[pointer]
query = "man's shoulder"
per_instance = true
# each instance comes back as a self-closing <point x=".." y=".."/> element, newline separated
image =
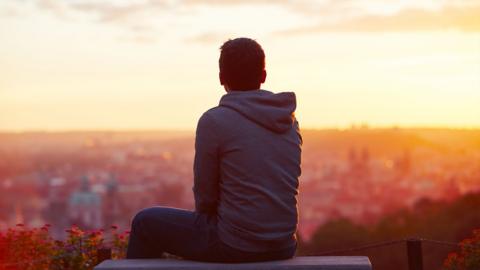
<point x="215" y="114"/>
<point x="215" y="110"/>
<point x="217" y="117"/>
<point x="209" y="116"/>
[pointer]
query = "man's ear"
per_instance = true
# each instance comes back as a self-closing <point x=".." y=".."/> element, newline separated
<point x="264" y="76"/>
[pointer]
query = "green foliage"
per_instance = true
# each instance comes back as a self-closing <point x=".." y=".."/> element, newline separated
<point x="333" y="234"/>
<point x="35" y="249"/>
<point x="468" y="258"/>
<point x="437" y="220"/>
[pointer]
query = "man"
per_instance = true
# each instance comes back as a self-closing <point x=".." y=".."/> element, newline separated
<point x="246" y="169"/>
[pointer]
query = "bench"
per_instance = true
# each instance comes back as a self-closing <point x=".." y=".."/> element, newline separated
<point x="297" y="263"/>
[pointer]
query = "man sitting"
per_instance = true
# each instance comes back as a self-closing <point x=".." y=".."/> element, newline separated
<point x="246" y="169"/>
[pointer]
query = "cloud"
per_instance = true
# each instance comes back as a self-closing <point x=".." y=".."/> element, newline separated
<point x="9" y="12"/>
<point x="56" y="7"/>
<point x="109" y="12"/>
<point x="105" y="11"/>
<point x="407" y="20"/>
<point x="234" y="2"/>
<point x="140" y="18"/>
<point x="132" y="16"/>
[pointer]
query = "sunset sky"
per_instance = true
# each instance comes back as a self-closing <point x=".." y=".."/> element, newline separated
<point x="78" y="64"/>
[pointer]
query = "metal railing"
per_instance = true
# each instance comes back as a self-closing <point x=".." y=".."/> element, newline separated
<point x="413" y="249"/>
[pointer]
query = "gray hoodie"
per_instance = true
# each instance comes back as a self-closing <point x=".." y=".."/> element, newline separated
<point x="246" y="169"/>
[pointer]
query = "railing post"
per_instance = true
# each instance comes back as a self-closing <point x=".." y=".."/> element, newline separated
<point x="103" y="254"/>
<point x="414" y="254"/>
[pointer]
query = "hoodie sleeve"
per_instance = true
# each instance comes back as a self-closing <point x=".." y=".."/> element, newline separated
<point x="206" y="166"/>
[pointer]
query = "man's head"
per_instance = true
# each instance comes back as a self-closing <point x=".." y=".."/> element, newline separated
<point x="242" y="65"/>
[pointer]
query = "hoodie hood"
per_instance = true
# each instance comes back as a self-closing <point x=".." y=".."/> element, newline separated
<point x="272" y="111"/>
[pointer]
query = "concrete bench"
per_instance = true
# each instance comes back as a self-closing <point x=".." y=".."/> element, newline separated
<point x="298" y="263"/>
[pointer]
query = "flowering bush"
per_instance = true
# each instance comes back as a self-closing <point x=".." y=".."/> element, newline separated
<point x="468" y="258"/>
<point x="35" y="249"/>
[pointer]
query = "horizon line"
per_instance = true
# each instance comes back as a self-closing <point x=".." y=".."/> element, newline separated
<point x="185" y="130"/>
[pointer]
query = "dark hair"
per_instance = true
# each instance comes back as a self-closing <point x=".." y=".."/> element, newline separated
<point x="242" y="62"/>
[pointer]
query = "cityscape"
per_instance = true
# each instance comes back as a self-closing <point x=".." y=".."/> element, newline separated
<point x="98" y="179"/>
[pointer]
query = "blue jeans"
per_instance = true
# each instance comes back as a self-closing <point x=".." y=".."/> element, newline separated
<point x="187" y="234"/>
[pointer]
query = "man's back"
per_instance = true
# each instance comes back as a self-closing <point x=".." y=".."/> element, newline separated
<point x="252" y="140"/>
<point x="246" y="169"/>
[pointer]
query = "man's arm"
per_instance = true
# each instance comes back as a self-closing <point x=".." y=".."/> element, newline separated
<point x="206" y="167"/>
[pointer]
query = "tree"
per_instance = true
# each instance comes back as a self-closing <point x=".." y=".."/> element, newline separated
<point x="468" y="258"/>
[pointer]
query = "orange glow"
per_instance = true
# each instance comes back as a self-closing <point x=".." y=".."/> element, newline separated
<point x="85" y="65"/>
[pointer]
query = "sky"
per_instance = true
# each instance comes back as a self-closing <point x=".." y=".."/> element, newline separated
<point x="153" y="64"/>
